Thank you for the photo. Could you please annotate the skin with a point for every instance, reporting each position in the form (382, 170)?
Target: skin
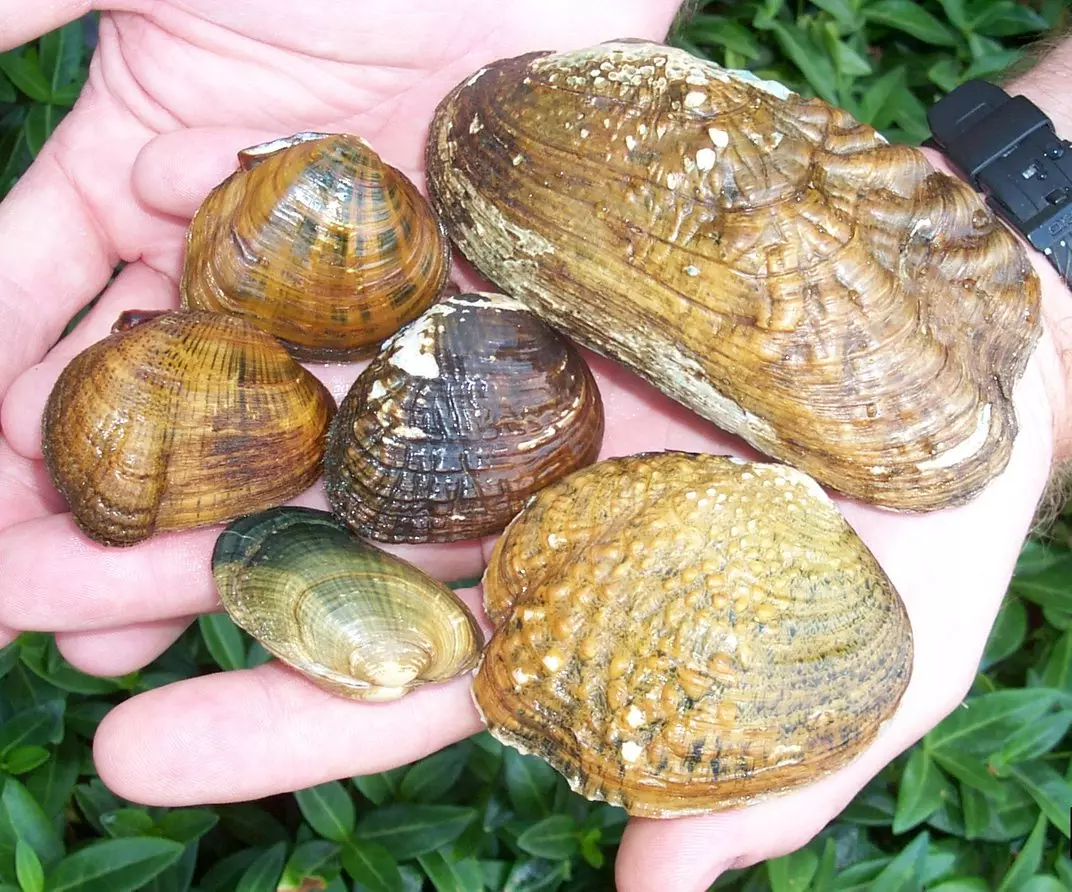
(120, 179)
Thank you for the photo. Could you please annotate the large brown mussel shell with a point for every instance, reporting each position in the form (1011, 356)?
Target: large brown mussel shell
(353, 619)
(319, 242)
(462, 415)
(186, 419)
(768, 261)
(681, 633)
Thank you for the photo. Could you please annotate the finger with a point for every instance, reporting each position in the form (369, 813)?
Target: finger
(242, 735)
(84, 585)
(21, 22)
(176, 170)
(25, 490)
(78, 192)
(7, 636)
(113, 652)
(138, 286)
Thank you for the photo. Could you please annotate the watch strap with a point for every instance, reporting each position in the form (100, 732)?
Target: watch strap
(1008, 149)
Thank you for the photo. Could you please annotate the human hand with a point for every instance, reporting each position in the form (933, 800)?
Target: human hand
(243, 735)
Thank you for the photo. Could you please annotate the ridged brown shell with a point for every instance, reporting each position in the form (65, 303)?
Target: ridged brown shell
(183, 420)
(681, 633)
(461, 416)
(353, 619)
(318, 241)
(768, 261)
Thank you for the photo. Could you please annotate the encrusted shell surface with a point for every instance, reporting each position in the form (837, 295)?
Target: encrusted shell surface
(768, 261)
(353, 619)
(461, 416)
(318, 241)
(681, 633)
(185, 419)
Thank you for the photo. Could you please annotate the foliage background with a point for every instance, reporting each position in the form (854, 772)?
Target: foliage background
(981, 803)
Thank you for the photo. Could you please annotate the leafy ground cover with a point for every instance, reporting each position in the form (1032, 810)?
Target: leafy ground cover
(981, 803)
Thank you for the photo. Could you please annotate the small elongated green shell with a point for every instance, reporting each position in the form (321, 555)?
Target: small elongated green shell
(357, 621)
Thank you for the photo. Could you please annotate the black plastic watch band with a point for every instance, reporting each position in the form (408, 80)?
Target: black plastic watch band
(1008, 149)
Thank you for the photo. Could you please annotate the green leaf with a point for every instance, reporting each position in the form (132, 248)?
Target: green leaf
(1043, 884)
(124, 822)
(1010, 627)
(842, 11)
(946, 75)
(536, 875)
(224, 640)
(305, 863)
(22, 818)
(224, 874)
(24, 759)
(9, 655)
(555, 838)
(264, 873)
(114, 865)
(329, 810)
(978, 814)
(407, 831)
(992, 63)
(1006, 19)
(7, 94)
(40, 122)
(878, 96)
(52, 784)
(966, 768)
(432, 777)
(25, 74)
(186, 825)
(372, 865)
(61, 55)
(1058, 670)
(793, 872)
(920, 793)
(718, 30)
(1032, 741)
(957, 14)
(906, 870)
(530, 784)
(1027, 862)
(823, 880)
(906, 16)
(452, 876)
(28, 869)
(1051, 791)
(94, 800)
(813, 63)
(379, 788)
(962, 884)
(1051, 587)
(982, 723)
(35, 726)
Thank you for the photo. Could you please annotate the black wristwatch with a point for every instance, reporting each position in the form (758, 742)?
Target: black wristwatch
(1007, 149)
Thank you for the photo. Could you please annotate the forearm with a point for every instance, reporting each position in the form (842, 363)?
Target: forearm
(23, 20)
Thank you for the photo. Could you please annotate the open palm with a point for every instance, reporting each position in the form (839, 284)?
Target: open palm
(173, 94)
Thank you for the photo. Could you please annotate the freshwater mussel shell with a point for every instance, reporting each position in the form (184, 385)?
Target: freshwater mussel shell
(768, 261)
(320, 242)
(680, 633)
(353, 619)
(462, 415)
(179, 420)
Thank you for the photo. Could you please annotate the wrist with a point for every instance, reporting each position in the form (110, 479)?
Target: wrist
(1046, 85)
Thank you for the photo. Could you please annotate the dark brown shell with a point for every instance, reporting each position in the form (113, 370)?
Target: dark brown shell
(180, 420)
(461, 416)
(319, 242)
(682, 633)
(768, 261)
